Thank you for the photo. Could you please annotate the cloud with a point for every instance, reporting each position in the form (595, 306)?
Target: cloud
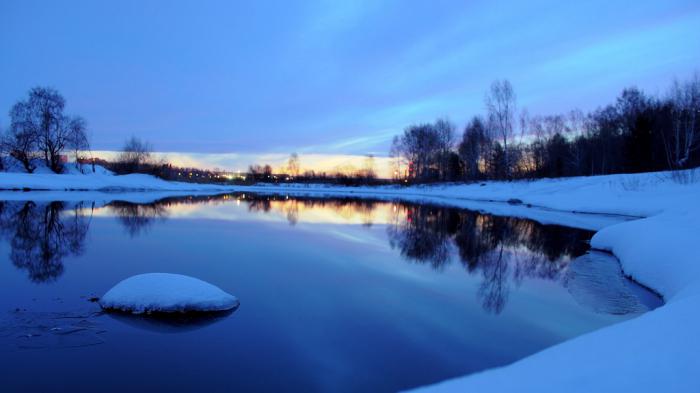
(364, 144)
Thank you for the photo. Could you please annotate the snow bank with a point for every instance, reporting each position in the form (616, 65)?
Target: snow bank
(43, 179)
(660, 252)
(96, 181)
(165, 292)
(637, 195)
(590, 203)
(658, 351)
(611, 199)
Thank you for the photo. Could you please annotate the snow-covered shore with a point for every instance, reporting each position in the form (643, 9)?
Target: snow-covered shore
(660, 350)
(583, 202)
(651, 222)
(636, 195)
(101, 181)
(656, 352)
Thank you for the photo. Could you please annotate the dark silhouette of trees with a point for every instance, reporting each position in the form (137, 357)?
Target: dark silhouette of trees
(368, 172)
(428, 150)
(445, 135)
(20, 142)
(134, 157)
(637, 133)
(474, 148)
(260, 173)
(293, 166)
(39, 128)
(78, 141)
(684, 137)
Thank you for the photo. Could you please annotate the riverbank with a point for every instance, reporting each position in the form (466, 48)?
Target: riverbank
(584, 202)
(658, 351)
(102, 180)
(651, 222)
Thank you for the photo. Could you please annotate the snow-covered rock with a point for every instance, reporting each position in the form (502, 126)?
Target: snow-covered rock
(166, 292)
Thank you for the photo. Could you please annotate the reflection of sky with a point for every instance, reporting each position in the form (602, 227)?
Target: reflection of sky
(326, 305)
(238, 209)
(325, 76)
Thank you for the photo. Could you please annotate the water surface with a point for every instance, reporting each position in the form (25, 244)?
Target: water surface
(336, 294)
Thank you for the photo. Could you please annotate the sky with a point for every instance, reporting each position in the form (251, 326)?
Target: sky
(230, 83)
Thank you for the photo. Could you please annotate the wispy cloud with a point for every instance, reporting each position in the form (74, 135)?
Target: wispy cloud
(365, 144)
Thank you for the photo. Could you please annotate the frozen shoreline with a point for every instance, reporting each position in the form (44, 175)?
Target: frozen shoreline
(659, 351)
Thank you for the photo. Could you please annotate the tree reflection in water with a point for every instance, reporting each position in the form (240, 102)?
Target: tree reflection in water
(42, 234)
(502, 250)
(346, 208)
(138, 218)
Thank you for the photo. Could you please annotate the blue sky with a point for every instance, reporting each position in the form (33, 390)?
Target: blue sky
(328, 77)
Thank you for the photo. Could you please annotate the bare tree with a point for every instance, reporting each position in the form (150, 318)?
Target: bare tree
(445, 135)
(685, 136)
(78, 140)
(44, 116)
(524, 124)
(474, 147)
(500, 103)
(395, 157)
(267, 171)
(134, 155)
(20, 142)
(293, 166)
(369, 172)
(576, 120)
(39, 125)
(419, 144)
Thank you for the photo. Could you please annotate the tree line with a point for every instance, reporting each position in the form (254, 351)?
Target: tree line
(292, 172)
(636, 133)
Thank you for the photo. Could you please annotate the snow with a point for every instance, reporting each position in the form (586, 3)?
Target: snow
(658, 351)
(100, 181)
(582, 202)
(636, 195)
(649, 221)
(166, 292)
(43, 179)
